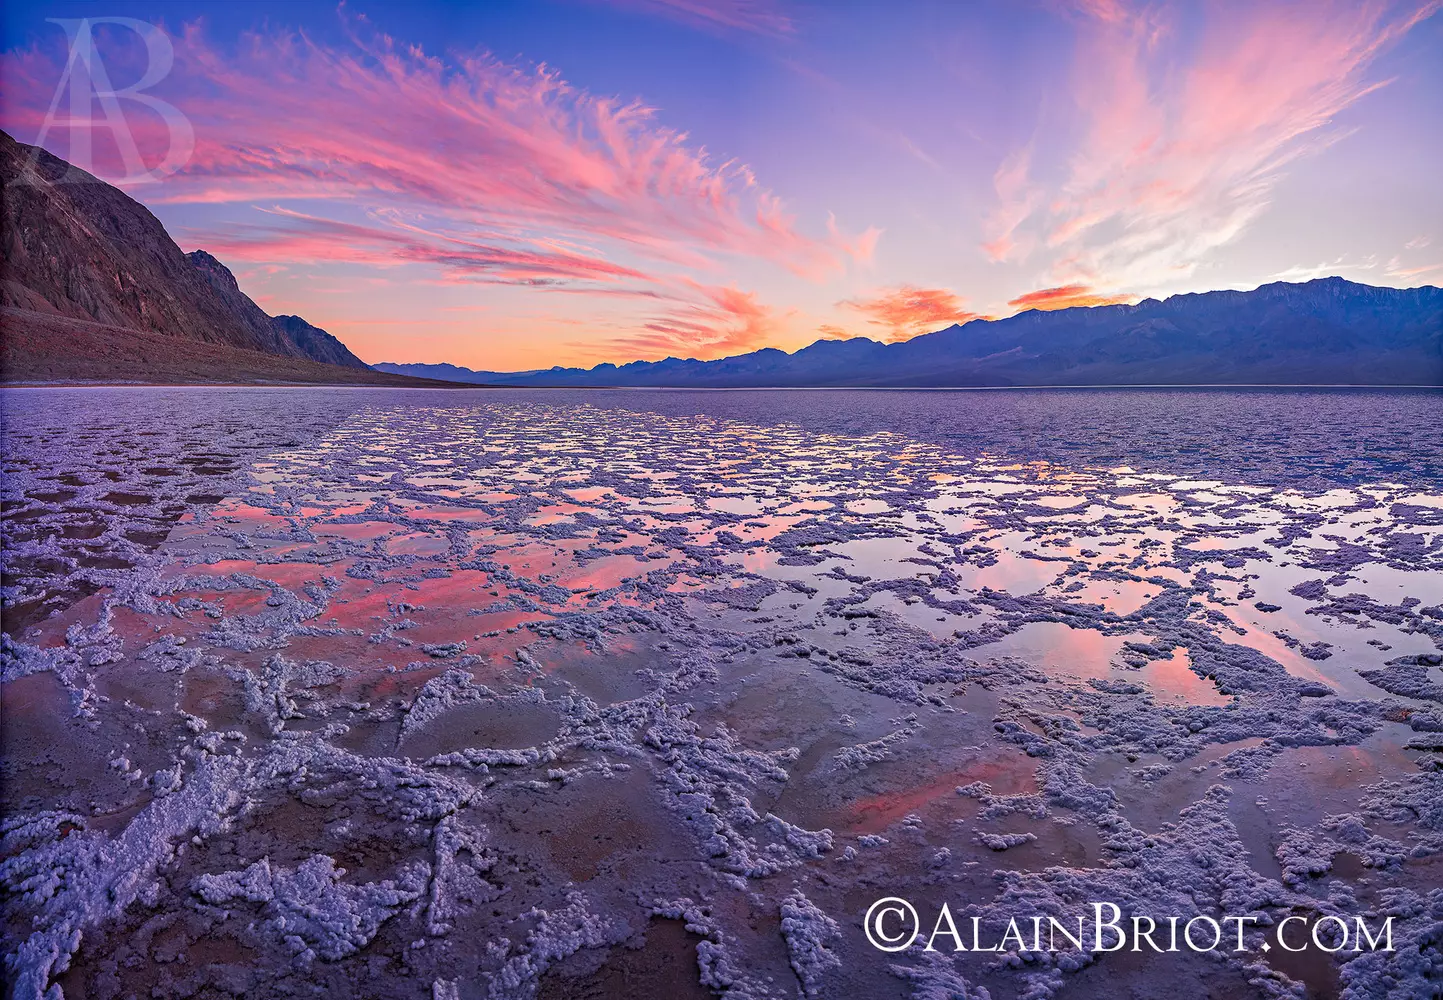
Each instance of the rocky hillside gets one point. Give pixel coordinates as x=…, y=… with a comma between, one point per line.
x=79, y=249
x=315, y=342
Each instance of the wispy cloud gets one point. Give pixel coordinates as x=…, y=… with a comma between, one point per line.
x=1067, y=297
x=714, y=321
x=473, y=143
x=907, y=311
x=1017, y=199
x=297, y=238
x=1413, y=272
x=1327, y=268
x=1185, y=135
x=759, y=17
x=1397, y=270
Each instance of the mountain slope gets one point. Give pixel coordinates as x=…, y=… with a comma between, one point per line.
x=78, y=248
x=1326, y=331
x=315, y=342
x=97, y=353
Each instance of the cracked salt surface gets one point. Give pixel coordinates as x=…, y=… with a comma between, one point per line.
x=510, y=694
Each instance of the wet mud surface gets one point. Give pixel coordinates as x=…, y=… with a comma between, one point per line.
x=527, y=694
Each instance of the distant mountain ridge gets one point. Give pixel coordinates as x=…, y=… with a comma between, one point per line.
x=79, y=251
x=92, y=287
x=1322, y=332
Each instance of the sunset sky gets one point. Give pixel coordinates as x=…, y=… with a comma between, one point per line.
x=511, y=186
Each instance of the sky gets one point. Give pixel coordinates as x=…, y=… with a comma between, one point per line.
x=510, y=186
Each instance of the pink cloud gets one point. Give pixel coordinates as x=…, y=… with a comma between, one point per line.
x=1111, y=11
x=1185, y=136
x=300, y=238
x=689, y=320
x=907, y=311
x=1413, y=272
x=1017, y=199
x=471, y=144
x=1067, y=297
x=720, y=321
x=861, y=248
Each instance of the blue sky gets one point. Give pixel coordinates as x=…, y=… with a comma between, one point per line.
x=515, y=185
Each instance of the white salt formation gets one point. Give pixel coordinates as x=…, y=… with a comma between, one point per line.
x=455, y=696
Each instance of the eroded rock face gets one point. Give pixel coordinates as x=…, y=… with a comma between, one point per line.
x=504, y=696
x=80, y=248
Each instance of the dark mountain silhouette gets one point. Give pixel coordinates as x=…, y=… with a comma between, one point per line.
x=456, y=373
x=92, y=286
x=315, y=342
x=1327, y=331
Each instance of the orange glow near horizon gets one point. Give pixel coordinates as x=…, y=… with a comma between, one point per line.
x=1067, y=297
x=581, y=199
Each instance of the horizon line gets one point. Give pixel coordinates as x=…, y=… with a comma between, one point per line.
x=453, y=386
x=894, y=343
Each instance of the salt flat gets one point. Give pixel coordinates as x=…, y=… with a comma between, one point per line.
x=525, y=693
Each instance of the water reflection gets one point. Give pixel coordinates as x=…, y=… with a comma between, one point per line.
x=728, y=627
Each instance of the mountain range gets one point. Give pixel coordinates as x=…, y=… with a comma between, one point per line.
x=1325, y=331
x=93, y=288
